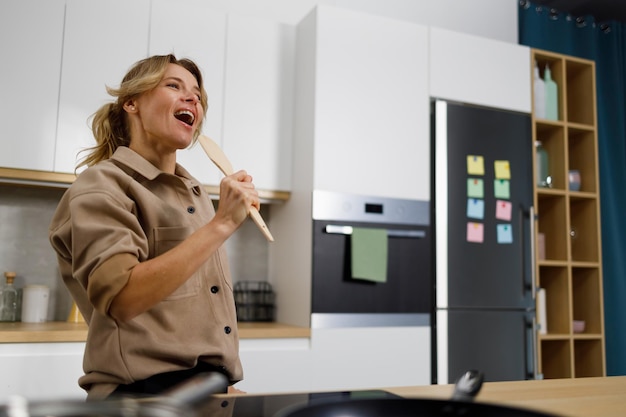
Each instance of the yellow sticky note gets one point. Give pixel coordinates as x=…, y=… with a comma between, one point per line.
x=475, y=165
x=503, y=170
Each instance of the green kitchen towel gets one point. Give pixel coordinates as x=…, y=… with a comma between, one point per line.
x=369, y=254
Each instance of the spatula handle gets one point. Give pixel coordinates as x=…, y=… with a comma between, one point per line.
x=256, y=217
x=217, y=155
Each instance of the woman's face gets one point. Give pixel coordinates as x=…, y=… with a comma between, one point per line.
x=169, y=114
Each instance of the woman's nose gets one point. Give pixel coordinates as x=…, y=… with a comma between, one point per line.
x=191, y=97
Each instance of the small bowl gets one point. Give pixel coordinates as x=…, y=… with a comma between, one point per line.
x=578, y=326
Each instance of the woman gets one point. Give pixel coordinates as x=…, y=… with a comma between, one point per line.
x=139, y=243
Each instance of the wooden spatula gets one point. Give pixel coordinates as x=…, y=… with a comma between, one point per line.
x=219, y=158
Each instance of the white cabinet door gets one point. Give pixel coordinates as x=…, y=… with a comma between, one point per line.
x=259, y=99
x=371, y=105
x=369, y=357
x=102, y=41
x=199, y=35
x=471, y=69
x=31, y=44
x=275, y=365
x=41, y=371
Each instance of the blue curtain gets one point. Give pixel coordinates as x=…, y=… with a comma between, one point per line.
x=606, y=45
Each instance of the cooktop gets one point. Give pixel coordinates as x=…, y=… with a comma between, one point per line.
x=251, y=405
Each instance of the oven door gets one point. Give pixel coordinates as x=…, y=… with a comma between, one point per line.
x=404, y=299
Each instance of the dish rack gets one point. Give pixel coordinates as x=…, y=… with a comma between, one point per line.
x=254, y=301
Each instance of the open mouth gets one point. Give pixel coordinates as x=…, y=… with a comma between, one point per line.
x=185, y=116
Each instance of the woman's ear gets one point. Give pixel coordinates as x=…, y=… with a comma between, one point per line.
x=130, y=106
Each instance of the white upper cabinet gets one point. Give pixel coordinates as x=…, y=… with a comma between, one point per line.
x=258, y=106
x=476, y=70
x=31, y=44
x=102, y=41
x=199, y=34
x=371, y=104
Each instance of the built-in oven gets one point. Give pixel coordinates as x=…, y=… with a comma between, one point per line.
x=404, y=297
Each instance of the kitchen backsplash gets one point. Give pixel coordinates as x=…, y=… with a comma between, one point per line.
x=25, y=214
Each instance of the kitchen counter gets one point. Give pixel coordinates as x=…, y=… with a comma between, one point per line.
x=77, y=332
x=573, y=397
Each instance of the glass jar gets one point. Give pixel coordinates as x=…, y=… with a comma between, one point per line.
x=8, y=311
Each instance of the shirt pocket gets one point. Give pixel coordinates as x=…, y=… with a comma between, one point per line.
x=166, y=238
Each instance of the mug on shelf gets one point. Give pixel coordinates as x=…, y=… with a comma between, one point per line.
x=574, y=180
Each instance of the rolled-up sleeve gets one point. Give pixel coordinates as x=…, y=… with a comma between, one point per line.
x=107, y=242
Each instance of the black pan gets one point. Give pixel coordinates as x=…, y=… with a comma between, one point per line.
x=461, y=404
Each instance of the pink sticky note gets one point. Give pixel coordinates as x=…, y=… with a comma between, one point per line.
x=475, y=232
x=503, y=210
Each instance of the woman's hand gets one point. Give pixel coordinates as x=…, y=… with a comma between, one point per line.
x=237, y=196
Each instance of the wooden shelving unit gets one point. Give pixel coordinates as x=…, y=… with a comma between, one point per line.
x=571, y=272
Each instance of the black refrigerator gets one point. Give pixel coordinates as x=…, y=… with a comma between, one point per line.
x=482, y=207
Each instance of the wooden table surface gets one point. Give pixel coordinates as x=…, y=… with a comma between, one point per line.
x=584, y=397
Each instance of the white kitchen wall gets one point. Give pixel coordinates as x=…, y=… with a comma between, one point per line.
x=25, y=213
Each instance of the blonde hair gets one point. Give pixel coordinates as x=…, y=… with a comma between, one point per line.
x=110, y=123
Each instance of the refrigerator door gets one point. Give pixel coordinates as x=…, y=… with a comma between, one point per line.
x=483, y=181
x=499, y=343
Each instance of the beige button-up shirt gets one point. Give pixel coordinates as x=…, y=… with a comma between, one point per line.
x=118, y=213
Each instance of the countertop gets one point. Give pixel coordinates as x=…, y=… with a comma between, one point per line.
x=77, y=332
x=573, y=397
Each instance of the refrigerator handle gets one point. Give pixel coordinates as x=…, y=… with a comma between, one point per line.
x=533, y=254
x=533, y=365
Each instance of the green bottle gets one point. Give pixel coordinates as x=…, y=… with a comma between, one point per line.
x=552, y=97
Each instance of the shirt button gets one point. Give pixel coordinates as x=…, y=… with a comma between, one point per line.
x=214, y=289
x=227, y=330
x=191, y=209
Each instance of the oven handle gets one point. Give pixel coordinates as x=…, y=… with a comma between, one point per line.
x=347, y=230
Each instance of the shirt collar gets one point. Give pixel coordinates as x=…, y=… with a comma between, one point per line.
x=142, y=166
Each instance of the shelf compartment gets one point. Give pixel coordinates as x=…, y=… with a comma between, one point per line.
x=552, y=223
x=581, y=148
x=580, y=92
x=556, y=283
x=584, y=234
x=586, y=296
x=552, y=138
x=588, y=356
x=557, y=72
x=556, y=359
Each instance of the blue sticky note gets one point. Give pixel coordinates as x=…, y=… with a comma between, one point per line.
x=502, y=189
x=505, y=233
x=475, y=188
x=475, y=208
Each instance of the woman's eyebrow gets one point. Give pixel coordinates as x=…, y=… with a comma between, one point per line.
x=180, y=80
